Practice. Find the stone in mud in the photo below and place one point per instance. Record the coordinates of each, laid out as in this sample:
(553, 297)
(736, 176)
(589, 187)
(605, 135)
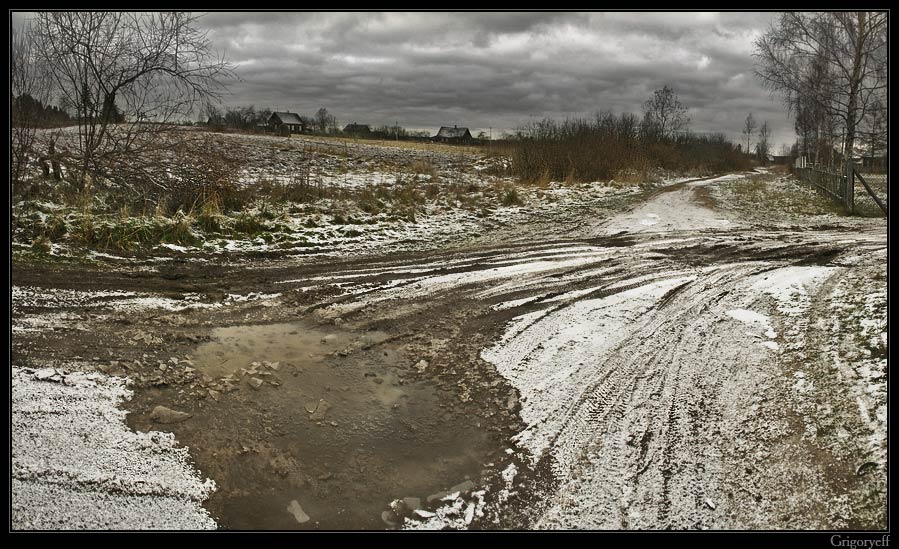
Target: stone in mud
(463, 487)
(255, 382)
(297, 512)
(320, 410)
(330, 338)
(421, 513)
(510, 403)
(421, 366)
(436, 496)
(412, 503)
(390, 518)
(162, 414)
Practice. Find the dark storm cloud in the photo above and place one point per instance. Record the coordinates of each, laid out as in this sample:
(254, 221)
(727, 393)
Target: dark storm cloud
(497, 69)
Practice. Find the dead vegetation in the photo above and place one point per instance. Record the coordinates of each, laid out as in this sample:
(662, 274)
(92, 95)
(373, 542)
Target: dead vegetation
(202, 189)
(609, 147)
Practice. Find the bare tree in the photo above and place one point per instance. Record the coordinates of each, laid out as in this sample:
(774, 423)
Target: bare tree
(665, 113)
(749, 127)
(323, 119)
(763, 147)
(150, 69)
(833, 61)
(29, 89)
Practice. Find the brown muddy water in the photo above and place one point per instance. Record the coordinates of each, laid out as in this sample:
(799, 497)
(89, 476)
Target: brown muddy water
(314, 427)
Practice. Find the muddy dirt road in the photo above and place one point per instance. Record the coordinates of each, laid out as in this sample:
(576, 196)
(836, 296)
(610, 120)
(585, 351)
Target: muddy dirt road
(673, 366)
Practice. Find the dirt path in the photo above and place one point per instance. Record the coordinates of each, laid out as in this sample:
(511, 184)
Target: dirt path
(643, 375)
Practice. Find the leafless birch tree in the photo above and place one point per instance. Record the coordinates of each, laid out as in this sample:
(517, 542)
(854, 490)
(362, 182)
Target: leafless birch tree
(831, 62)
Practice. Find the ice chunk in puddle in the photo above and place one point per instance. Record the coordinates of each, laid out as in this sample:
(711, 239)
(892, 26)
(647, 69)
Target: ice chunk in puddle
(297, 512)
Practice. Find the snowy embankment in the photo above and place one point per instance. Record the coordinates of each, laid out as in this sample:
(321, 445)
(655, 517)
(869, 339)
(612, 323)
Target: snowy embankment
(77, 466)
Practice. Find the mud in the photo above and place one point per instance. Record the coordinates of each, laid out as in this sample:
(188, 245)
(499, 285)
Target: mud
(334, 426)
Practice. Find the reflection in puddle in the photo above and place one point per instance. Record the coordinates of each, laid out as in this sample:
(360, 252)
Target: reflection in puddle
(321, 424)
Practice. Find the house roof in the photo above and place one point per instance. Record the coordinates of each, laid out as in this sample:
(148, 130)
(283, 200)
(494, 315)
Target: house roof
(454, 132)
(287, 117)
(356, 128)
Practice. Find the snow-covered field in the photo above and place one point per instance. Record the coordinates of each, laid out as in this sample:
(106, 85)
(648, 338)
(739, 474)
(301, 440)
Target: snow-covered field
(366, 199)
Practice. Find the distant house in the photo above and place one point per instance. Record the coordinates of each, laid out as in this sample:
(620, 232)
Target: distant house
(286, 123)
(357, 129)
(453, 135)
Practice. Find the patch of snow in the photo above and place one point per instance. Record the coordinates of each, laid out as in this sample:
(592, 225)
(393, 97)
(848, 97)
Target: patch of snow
(76, 465)
(770, 344)
(174, 247)
(748, 317)
(457, 514)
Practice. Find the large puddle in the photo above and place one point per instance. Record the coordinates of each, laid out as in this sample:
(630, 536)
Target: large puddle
(322, 430)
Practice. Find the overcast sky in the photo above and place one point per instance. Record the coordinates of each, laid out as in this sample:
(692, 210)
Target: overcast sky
(502, 70)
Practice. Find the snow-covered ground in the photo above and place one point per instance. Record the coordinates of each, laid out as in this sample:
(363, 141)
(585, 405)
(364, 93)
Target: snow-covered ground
(675, 210)
(685, 364)
(77, 466)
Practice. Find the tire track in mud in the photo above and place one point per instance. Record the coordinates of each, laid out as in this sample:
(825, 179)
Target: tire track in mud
(639, 420)
(637, 381)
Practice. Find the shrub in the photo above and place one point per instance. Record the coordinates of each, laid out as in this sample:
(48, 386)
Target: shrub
(579, 150)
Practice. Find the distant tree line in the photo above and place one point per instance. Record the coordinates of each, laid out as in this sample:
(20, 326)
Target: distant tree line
(236, 118)
(28, 108)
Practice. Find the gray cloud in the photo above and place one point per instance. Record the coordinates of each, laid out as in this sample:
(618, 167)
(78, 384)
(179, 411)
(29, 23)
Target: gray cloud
(497, 70)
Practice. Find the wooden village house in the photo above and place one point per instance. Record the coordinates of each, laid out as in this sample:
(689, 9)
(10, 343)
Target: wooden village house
(357, 129)
(453, 135)
(286, 123)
